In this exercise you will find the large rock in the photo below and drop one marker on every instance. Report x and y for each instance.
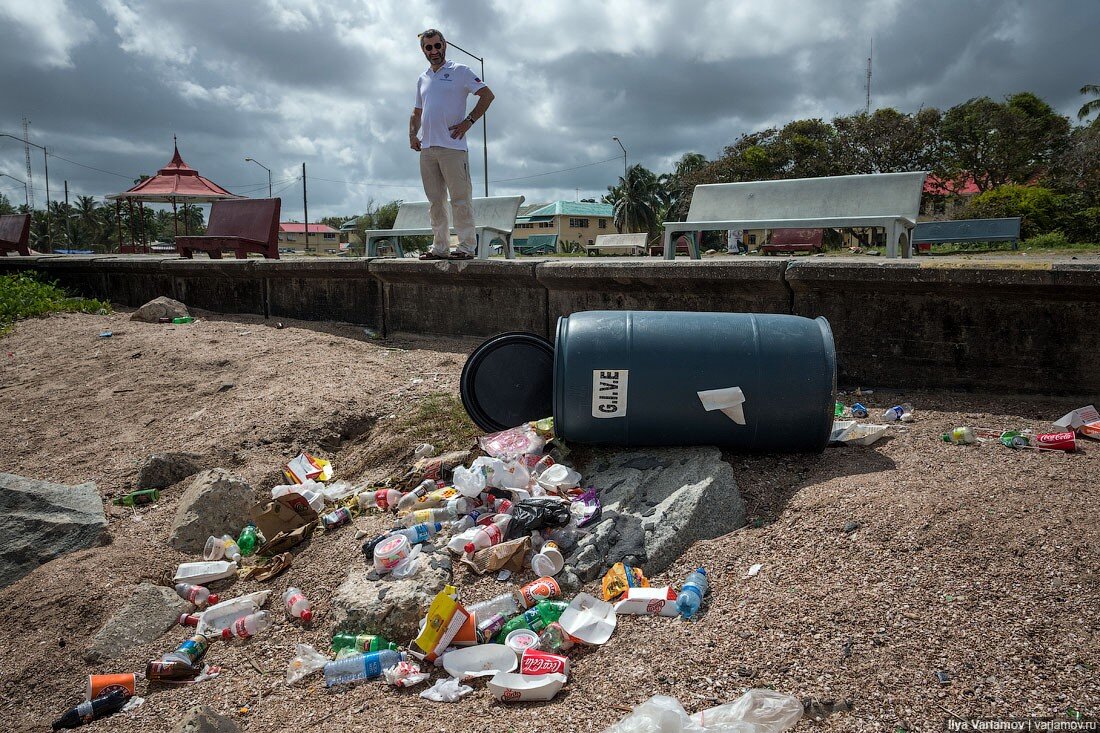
(40, 520)
(158, 308)
(150, 611)
(393, 608)
(656, 502)
(202, 719)
(216, 502)
(162, 470)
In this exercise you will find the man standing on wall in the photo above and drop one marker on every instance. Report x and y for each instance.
(437, 129)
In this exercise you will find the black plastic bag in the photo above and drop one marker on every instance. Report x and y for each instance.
(542, 513)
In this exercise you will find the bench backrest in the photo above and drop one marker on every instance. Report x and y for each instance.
(15, 228)
(975, 230)
(623, 240)
(879, 194)
(539, 244)
(256, 219)
(498, 212)
(797, 236)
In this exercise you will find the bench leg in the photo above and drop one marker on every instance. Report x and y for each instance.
(891, 241)
(904, 241)
(669, 253)
(693, 245)
(185, 253)
(397, 248)
(481, 249)
(509, 252)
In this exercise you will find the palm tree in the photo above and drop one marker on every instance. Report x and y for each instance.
(636, 209)
(1093, 104)
(87, 213)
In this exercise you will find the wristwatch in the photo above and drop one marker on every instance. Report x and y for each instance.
(470, 119)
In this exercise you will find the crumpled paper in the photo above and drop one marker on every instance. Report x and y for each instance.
(504, 556)
(404, 674)
(448, 690)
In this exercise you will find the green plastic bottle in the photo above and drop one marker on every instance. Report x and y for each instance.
(361, 642)
(139, 498)
(536, 618)
(247, 540)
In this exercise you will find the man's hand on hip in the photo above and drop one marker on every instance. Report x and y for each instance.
(459, 131)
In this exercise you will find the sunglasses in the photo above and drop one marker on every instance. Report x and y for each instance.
(430, 46)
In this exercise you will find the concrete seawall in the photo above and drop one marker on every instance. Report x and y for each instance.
(929, 323)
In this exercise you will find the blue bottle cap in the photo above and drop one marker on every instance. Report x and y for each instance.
(701, 571)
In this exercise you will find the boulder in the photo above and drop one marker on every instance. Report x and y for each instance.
(158, 308)
(216, 502)
(40, 520)
(203, 719)
(162, 470)
(150, 611)
(656, 503)
(376, 604)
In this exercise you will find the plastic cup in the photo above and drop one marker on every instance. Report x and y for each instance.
(521, 640)
(215, 549)
(549, 561)
(99, 684)
(390, 552)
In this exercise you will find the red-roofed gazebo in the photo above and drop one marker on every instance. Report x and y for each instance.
(175, 183)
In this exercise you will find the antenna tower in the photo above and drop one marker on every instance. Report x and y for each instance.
(869, 56)
(27, 155)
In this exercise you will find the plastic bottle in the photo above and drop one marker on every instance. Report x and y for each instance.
(463, 524)
(204, 572)
(190, 619)
(458, 541)
(360, 667)
(902, 413)
(536, 618)
(384, 499)
(181, 664)
(692, 594)
(453, 510)
(489, 535)
(248, 626)
(412, 498)
(555, 639)
(138, 498)
(960, 436)
(338, 518)
(361, 643)
(296, 604)
(232, 549)
(421, 532)
(222, 615)
(106, 704)
(505, 604)
(196, 594)
(247, 540)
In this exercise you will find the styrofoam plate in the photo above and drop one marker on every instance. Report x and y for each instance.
(479, 661)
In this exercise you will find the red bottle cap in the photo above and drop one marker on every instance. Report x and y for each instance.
(469, 548)
(212, 599)
(306, 615)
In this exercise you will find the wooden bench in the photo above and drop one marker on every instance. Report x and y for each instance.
(242, 225)
(617, 244)
(15, 230)
(928, 233)
(887, 200)
(795, 240)
(495, 215)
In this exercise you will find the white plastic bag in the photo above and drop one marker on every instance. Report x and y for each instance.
(658, 714)
(757, 711)
(307, 661)
(469, 481)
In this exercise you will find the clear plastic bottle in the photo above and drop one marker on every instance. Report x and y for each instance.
(421, 532)
(489, 535)
(466, 522)
(196, 594)
(412, 498)
(899, 413)
(248, 626)
(961, 436)
(692, 594)
(505, 604)
(360, 667)
(296, 604)
(454, 509)
(384, 499)
(232, 549)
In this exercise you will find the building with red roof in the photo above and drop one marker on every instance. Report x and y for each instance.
(322, 238)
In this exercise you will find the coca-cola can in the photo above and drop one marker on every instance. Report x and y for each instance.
(1055, 441)
(542, 589)
(534, 662)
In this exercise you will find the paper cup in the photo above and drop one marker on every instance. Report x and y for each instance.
(521, 640)
(99, 684)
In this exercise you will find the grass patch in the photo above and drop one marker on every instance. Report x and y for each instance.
(26, 295)
(440, 419)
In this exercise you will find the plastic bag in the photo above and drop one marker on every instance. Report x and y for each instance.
(404, 674)
(515, 441)
(757, 711)
(470, 482)
(407, 566)
(448, 690)
(306, 661)
(620, 577)
(544, 512)
(586, 508)
(658, 714)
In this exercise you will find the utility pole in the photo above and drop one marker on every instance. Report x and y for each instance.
(27, 155)
(305, 204)
(68, 227)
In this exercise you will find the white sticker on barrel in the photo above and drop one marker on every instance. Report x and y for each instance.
(609, 392)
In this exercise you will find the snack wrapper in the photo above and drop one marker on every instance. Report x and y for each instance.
(307, 468)
(620, 577)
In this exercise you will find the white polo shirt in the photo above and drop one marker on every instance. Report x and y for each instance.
(442, 96)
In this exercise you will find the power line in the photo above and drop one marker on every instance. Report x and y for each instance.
(550, 173)
(90, 167)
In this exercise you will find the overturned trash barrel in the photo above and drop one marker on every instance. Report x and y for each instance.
(739, 380)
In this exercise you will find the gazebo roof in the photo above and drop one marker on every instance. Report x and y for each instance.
(176, 181)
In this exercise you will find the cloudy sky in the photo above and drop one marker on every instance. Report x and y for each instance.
(106, 83)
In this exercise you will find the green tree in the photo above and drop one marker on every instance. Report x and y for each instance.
(5, 206)
(676, 186)
(638, 201)
(886, 141)
(1038, 207)
(1093, 104)
(88, 219)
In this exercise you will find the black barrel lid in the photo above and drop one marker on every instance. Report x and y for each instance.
(509, 380)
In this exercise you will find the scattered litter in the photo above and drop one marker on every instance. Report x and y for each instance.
(647, 602)
(753, 570)
(306, 661)
(730, 400)
(448, 690)
(106, 334)
(758, 710)
(484, 660)
(405, 674)
(692, 594)
(589, 620)
(511, 687)
(1084, 420)
(620, 577)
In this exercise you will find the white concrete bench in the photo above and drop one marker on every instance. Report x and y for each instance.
(494, 217)
(887, 200)
(618, 244)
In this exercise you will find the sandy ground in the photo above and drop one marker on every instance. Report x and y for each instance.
(976, 561)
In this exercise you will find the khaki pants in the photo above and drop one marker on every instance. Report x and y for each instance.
(446, 170)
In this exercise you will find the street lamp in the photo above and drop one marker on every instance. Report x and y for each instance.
(484, 124)
(620, 142)
(46, 163)
(253, 160)
(26, 189)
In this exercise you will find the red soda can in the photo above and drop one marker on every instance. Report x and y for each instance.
(534, 662)
(1055, 441)
(542, 589)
